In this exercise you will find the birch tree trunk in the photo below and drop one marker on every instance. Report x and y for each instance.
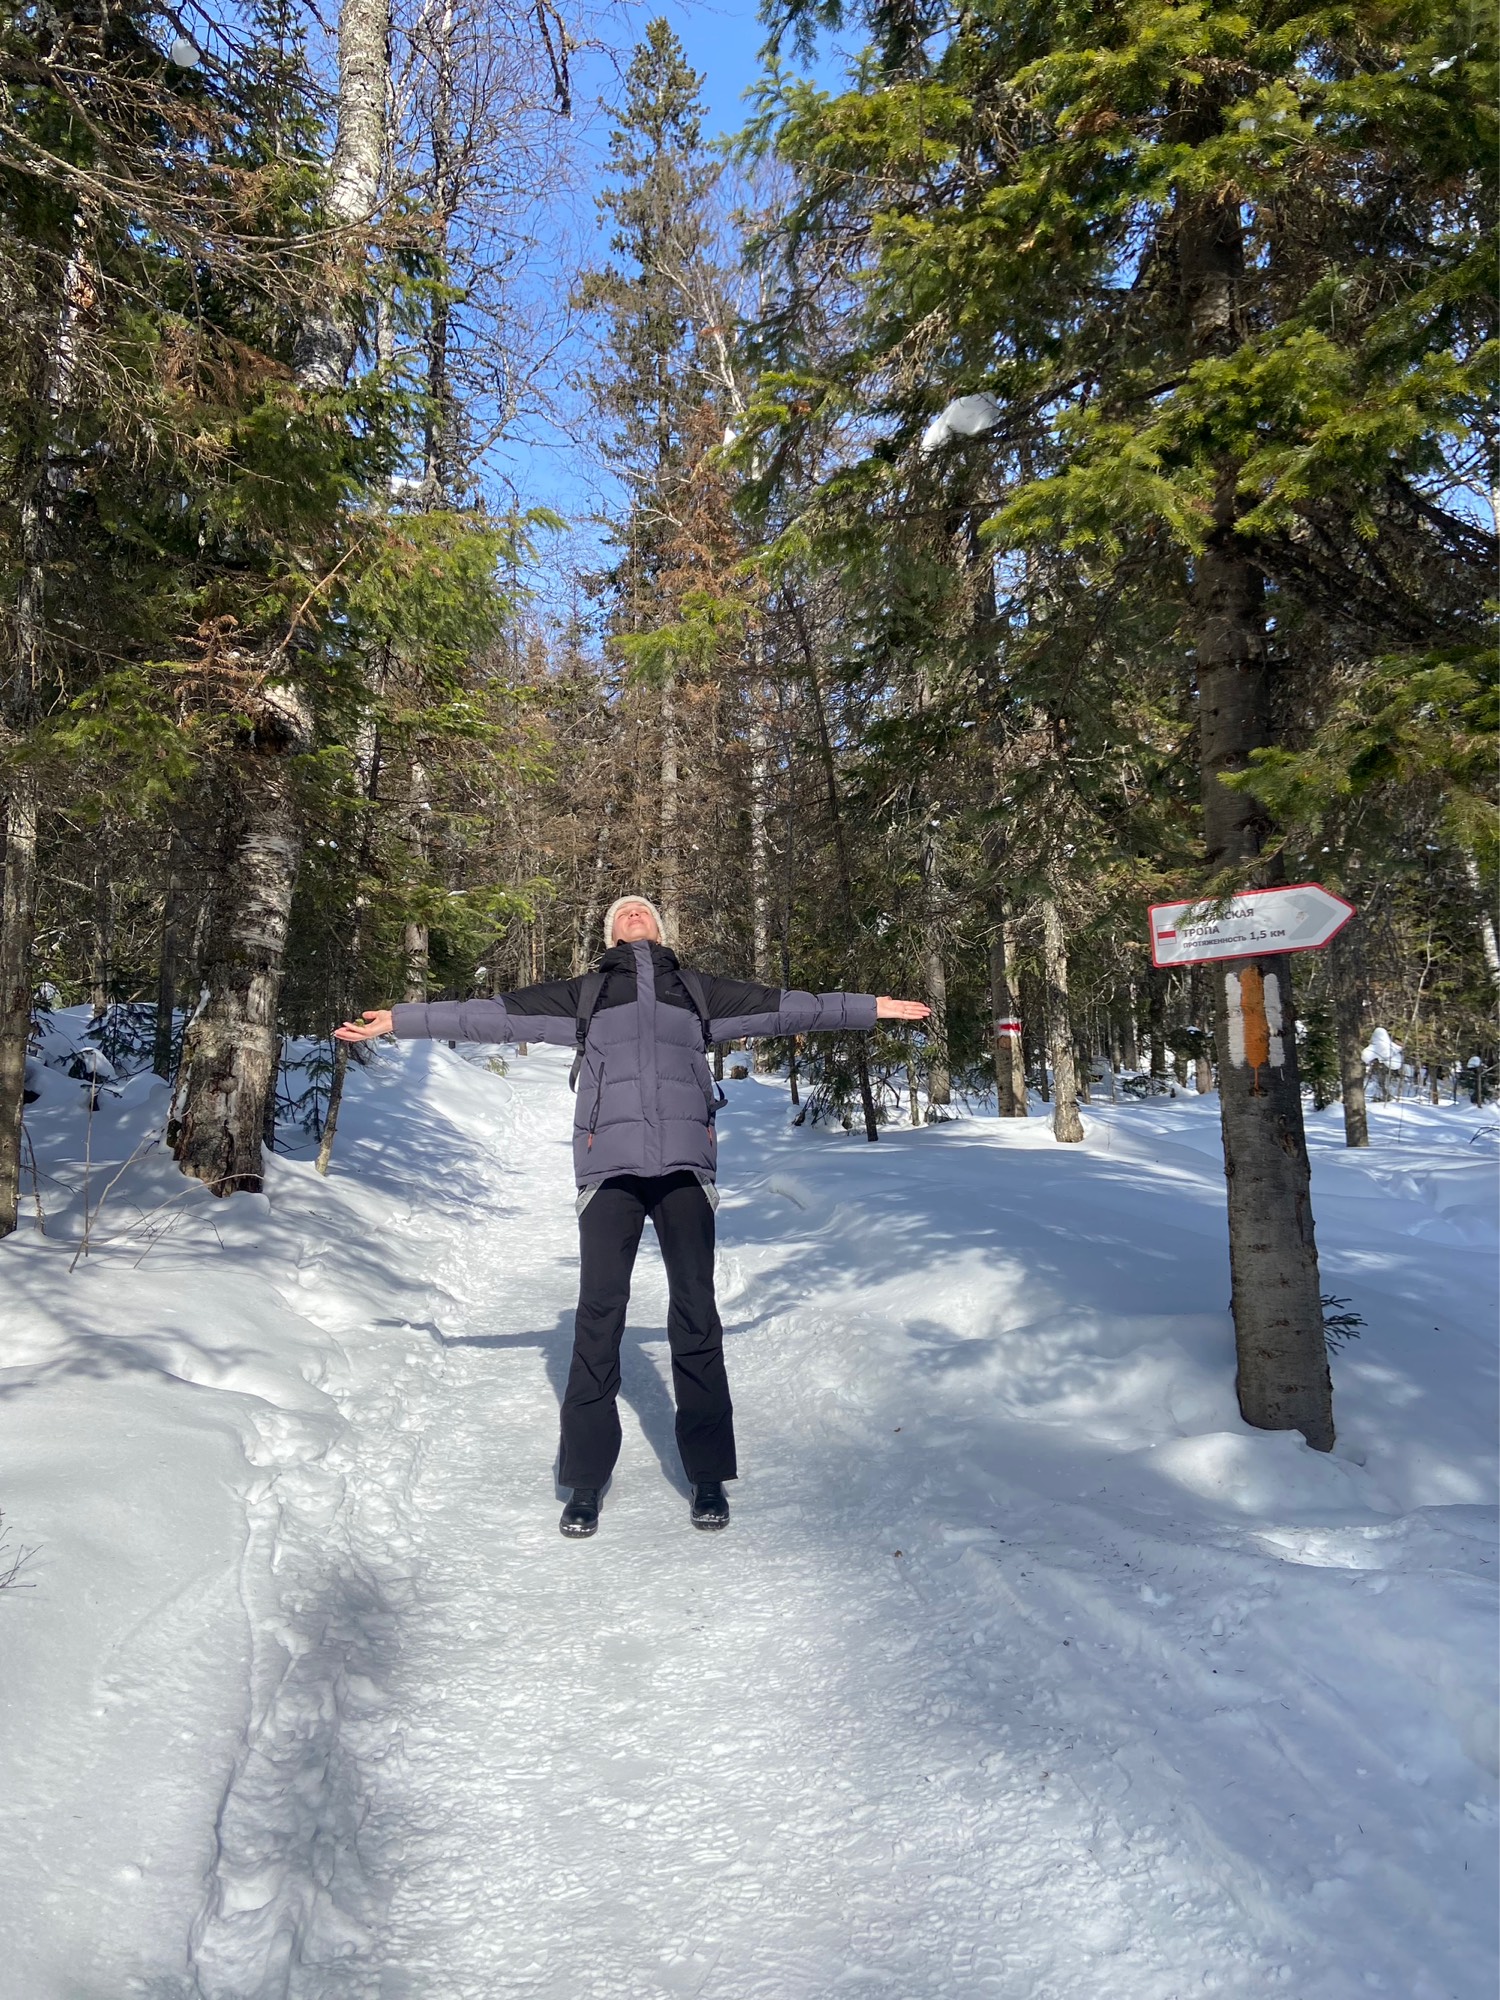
(1067, 1126)
(414, 938)
(1489, 944)
(230, 1047)
(227, 1069)
(325, 348)
(1005, 1011)
(414, 960)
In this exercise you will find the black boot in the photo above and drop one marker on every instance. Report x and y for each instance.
(581, 1515)
(710, 1504)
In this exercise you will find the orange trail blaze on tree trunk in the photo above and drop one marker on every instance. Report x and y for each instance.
(1257, 1027)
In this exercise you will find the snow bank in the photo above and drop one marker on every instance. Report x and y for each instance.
(201, 1623)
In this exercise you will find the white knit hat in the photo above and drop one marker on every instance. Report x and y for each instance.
(615, 908)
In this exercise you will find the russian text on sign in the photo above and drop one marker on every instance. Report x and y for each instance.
(1255, 923)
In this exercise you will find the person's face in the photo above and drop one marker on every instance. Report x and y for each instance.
(635, 924)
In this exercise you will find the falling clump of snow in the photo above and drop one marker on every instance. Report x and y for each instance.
(1026, 1671)
(964, 417)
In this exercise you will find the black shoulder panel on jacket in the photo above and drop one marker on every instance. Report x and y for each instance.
(551, 996)
(729, 998)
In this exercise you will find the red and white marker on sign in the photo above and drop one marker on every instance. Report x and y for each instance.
(1256, 923)
(1008, 1027)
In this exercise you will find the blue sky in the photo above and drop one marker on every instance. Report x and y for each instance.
(722, 40)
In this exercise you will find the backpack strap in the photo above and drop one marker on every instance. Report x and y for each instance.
(589, 988)
(698, 994)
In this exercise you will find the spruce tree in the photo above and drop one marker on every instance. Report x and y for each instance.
(1227, 278)
(141, 192)
(660, 305)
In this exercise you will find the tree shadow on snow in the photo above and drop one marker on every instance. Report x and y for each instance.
(102, 1356)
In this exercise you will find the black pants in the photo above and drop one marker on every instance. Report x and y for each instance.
(610, 1233)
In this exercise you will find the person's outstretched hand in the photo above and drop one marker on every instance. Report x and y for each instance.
(376, 1022)
(887, 1009)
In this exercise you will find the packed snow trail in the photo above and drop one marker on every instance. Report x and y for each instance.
(1024, 1670)
(753, 1766)
(928, 1720)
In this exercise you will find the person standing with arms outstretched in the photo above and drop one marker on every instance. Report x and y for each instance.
(643, 1145)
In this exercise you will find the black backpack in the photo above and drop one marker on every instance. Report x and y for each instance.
(592, 985)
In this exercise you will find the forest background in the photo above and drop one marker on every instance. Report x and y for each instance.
(1046, 467)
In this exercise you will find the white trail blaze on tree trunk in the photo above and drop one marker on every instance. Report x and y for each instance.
(1282, 1381)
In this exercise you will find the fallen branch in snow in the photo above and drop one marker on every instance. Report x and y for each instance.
(173, 1201)
(10, 1568)
(91, 1217)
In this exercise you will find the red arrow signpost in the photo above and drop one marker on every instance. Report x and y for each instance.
(1255, 923)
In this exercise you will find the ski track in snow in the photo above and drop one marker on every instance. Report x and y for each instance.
(1023, 1671)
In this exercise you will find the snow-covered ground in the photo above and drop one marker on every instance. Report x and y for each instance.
(1025, 1671)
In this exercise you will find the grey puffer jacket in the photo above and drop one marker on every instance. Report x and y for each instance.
(646, 1098)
